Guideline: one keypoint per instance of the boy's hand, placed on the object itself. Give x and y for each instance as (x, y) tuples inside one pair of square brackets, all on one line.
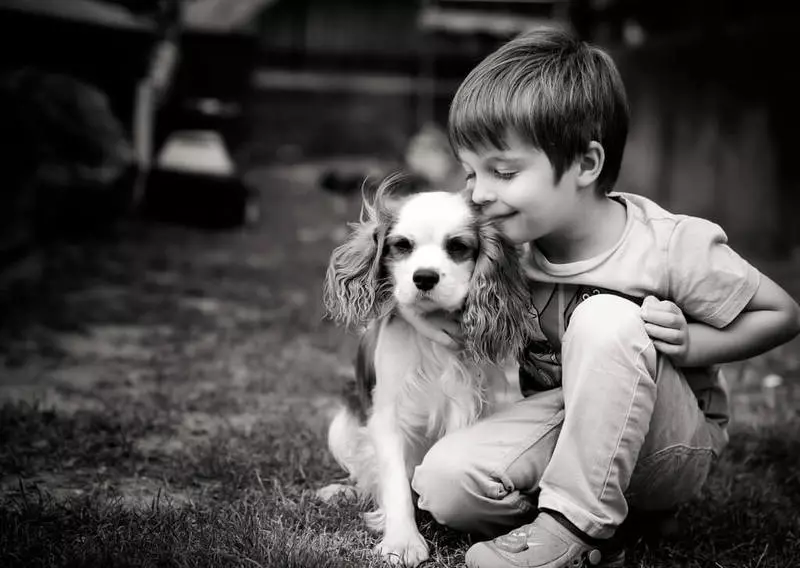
[(438, 327), (450, 329), (666, 325)]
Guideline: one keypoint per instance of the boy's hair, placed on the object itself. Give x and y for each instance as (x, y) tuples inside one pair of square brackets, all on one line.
[(555, 91)]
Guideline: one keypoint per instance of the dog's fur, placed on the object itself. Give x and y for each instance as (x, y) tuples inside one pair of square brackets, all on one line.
[(408, 256)]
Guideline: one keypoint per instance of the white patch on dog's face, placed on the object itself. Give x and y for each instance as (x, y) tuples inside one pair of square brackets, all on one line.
[(432, 250)]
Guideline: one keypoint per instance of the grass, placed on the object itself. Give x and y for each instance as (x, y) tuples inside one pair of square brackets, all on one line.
[(164, 396), (249, 503)]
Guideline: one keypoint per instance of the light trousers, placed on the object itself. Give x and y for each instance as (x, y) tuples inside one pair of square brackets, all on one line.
[(625, 429)]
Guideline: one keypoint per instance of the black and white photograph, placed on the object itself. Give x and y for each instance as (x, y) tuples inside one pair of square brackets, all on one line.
[(414, 283)]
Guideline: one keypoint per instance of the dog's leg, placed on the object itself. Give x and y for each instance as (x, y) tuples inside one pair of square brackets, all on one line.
[(402, 542)]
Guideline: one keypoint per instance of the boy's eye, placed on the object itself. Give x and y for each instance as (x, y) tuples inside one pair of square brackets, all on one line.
[(506, 175)]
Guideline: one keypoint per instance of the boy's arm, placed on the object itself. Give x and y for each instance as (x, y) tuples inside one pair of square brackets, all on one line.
[(770, 318)]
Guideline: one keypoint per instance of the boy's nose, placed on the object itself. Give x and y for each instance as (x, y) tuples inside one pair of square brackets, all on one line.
[(480, 195)]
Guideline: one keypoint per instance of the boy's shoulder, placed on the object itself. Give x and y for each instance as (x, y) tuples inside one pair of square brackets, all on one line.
[(664, 223), (699, 270), (646, 209)]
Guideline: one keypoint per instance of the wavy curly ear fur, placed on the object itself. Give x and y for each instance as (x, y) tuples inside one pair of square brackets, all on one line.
[(497, 319), (357, 287)]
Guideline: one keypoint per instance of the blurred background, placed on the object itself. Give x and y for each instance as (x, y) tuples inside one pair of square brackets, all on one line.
[(96, 92), (211, 150)]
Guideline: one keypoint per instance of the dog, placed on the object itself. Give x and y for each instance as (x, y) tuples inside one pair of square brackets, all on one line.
[(408, 257)]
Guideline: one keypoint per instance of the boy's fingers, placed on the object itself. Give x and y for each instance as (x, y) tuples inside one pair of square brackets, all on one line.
[(649, 300), (447, 340), (454, 334), (651, 305), (665, 348), (453, 331), (668, 306), (662, 318), (447, 331), (666, 334)]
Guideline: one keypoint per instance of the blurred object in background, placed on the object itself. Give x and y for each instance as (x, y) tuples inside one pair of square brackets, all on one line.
[(346, 179), (202, 126), (429, 156), (157, 75), (427, 164), (222, 15), (454, 35), (119, 14), (636, 22), (195, 182), (766, 389), (70, 78), (492, 17), (358, 78), (65, 149)]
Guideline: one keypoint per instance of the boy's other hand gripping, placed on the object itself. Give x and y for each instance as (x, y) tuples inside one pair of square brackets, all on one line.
[(667, 327), (439, 327)]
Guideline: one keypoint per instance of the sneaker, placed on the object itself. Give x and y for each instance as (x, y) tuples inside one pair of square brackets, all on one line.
[(545, 543)]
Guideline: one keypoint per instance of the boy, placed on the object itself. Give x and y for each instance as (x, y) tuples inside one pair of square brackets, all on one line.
[(623, 404)]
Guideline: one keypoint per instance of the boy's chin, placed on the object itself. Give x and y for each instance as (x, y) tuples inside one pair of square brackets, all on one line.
[(515, 233)]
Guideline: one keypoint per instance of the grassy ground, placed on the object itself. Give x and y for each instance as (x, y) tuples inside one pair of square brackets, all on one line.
[(163, 399)]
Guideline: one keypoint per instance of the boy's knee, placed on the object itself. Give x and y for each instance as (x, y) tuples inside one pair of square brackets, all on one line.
[(449, 489), (603, 320)]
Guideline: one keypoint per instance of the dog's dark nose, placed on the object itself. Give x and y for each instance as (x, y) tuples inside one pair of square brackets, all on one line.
[(425, 279)]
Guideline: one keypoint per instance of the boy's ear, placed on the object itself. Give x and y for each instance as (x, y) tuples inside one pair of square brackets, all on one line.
[(590, 164)]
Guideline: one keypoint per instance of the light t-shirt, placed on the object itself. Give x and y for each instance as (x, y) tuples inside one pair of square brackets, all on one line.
[(679, 258)]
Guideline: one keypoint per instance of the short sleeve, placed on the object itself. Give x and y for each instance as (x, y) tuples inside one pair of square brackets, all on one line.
[(708, 280)]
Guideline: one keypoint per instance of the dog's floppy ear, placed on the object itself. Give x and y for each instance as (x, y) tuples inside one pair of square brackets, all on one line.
[(357, 288), (498, 317)]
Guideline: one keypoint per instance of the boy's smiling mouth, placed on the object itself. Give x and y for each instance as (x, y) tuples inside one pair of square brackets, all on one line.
[(499, 218)]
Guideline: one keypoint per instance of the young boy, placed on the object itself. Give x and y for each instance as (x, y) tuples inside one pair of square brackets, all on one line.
[(623, 404)]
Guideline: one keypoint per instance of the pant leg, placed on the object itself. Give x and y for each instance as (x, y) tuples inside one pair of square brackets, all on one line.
[(484, 479), (622, 401), (680, 446)]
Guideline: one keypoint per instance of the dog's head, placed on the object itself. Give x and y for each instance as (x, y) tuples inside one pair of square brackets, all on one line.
[(429, 251)]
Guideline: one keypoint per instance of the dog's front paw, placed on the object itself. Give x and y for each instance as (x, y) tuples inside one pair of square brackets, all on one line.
[(406, 549)]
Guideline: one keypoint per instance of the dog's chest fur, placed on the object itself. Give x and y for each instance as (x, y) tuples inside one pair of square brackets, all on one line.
[(432, 389)]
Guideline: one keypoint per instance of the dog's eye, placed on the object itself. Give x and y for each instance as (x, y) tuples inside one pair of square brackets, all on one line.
[(401, 245), (458, 248)]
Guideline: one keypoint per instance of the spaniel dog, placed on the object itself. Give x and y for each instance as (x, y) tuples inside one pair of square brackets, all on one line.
[(408, 257)]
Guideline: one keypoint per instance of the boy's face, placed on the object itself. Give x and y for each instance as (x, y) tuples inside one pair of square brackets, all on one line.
[(517, 188)]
